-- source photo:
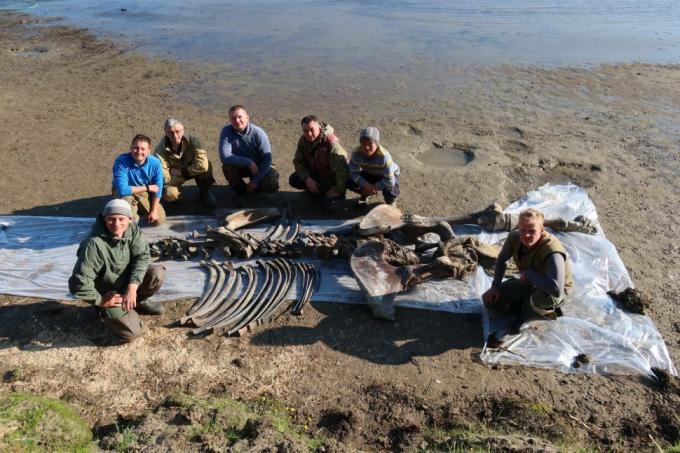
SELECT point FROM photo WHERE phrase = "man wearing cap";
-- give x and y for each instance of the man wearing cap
(372, 169)
(320, 163)
(113, 271)
(245, 152)
(183, 158)
(138, 179)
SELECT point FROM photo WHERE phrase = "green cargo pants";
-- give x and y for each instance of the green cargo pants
(126, 324)
(525, 299)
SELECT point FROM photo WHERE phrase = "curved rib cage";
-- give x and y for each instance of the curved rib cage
(236, 299)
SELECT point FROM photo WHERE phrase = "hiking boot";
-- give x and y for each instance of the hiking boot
(150, 307)
(206, 197)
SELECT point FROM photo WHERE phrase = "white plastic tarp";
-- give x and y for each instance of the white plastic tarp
(38, 254)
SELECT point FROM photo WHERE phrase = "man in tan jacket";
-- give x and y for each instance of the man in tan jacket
(183, 158)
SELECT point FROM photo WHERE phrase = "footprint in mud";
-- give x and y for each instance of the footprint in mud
(512, 132)
(516, 147)
(415, 130)
(447, 155)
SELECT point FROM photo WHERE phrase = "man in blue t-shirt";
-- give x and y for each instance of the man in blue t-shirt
(138, 179)
(245, 152)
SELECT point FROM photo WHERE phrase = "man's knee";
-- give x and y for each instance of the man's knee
(270, 183)
(543, 303)
(126, 325)
(295, 182)
(171, 194)
(156, 276)
(206, 178)
(153, 281)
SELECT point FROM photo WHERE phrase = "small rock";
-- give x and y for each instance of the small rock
(438, 144)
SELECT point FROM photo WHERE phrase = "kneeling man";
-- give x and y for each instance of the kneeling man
(320, 162)
(138, 179)
(545, 271)
(245, 152)
(114, 273)
(183, 158)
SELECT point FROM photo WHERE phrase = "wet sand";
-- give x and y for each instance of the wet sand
(69, 103)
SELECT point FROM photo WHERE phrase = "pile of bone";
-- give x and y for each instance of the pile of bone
(236, 299)
(285, 239)
(171, 248)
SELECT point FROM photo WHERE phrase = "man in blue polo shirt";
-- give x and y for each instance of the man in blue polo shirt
(245, 152)
(138, 179)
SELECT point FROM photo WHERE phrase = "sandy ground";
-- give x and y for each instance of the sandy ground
(69, 103)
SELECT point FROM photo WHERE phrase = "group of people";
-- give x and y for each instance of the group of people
(323, 168)
(114, 270)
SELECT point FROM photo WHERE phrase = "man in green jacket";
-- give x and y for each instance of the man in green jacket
(114, 273)
(183, 158)
(320, 161)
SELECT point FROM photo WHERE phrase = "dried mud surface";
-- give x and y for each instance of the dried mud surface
(69, 103)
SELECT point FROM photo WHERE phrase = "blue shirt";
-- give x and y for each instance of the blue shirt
(241, 149)
(127, 173)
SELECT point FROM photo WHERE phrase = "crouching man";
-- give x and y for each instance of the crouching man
(545, 272)
(183, 158)
(320, 162)
(114, 273)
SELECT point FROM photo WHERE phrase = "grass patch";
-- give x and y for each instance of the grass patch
(478, 437)
(233, 421)
(32, 423)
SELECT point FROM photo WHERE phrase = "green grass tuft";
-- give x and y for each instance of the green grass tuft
(31, 423)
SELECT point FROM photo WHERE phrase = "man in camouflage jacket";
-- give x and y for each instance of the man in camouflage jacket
(183, 158)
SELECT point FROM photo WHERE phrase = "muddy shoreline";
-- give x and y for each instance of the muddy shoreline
(69, 103)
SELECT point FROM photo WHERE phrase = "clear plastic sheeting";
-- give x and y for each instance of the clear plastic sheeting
(38, 255)
(614, 341)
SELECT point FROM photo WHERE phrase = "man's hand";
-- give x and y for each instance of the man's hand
(491, 296)
(369, 189)
(311, 184)
(252, 186)
(152, 188)
(332, 193)
(130, 297)
(111, 299)
(253, 168)
(153, 216)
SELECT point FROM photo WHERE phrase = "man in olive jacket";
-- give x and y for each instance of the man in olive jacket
(114, 273)
(320, 162)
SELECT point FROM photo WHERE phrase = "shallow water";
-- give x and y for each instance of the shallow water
(385, 34)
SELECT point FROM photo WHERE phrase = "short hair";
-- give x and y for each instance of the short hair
(236, 107)
(531, 214)
(172, 122)
(308, 119)
(140, 138)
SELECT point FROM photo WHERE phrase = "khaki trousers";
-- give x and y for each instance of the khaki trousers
(141, 201)
(126, 324)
